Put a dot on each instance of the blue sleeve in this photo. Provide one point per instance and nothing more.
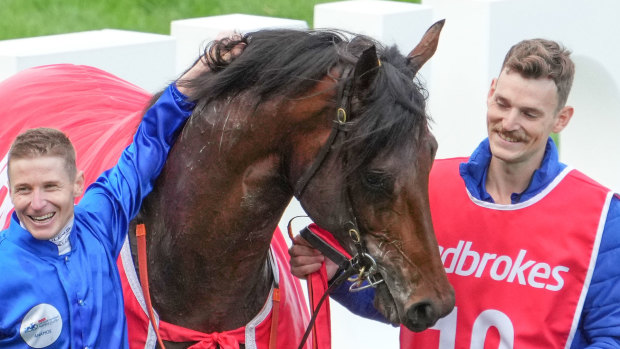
(599, 325)
(115, 197)
(359, 303)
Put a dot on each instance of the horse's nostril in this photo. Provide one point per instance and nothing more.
(421, 315)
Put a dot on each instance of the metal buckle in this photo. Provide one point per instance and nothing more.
(341, 116)
(368, 270)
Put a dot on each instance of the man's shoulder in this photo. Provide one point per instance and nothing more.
(587, 180)
(91, 228)
(449, 162)
(5, 245)
(85, 218)
(15, 264)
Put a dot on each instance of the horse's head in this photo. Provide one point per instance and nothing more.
(340, 122)
(370, 179)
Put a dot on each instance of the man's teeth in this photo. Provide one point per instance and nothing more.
(44, 217)
(507, 138)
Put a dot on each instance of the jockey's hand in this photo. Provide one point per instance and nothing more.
(307, 260)
(201, 66)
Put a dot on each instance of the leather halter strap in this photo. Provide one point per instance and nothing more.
(366, 264)
(337, 127)
(328, 248)
(362, 262)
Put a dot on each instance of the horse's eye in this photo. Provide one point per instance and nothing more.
(378, 181)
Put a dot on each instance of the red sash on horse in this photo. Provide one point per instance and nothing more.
(292, 318)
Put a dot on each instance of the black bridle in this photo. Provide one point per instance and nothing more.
(362, 266)
(361, 261)
(338, 126)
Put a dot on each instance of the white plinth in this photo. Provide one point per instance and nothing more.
(391, 22)
(144, 59)
(193, 34)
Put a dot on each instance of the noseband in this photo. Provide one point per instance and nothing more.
(362, 264)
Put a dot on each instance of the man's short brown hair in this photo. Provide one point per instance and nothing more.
(540, 58)
(44, 141)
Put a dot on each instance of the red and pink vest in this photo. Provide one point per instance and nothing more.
(520, 272)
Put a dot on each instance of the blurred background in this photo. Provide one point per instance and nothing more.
(26, 18)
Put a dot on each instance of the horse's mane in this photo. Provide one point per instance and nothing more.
(274, 62)
(290, 62)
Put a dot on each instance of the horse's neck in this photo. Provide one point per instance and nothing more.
(231, 174)
(229, 196)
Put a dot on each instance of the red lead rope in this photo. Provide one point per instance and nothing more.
(317, 286)
(318, 289)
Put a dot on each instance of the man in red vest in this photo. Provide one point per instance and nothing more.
(531, 246)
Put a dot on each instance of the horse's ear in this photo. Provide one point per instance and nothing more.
(366, 68)
(426, 48)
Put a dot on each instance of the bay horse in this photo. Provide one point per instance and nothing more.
(336, 121)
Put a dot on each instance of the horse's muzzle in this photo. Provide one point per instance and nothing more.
(421, 316)
(424, 314)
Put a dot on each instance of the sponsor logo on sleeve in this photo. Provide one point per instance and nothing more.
(41, 326)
